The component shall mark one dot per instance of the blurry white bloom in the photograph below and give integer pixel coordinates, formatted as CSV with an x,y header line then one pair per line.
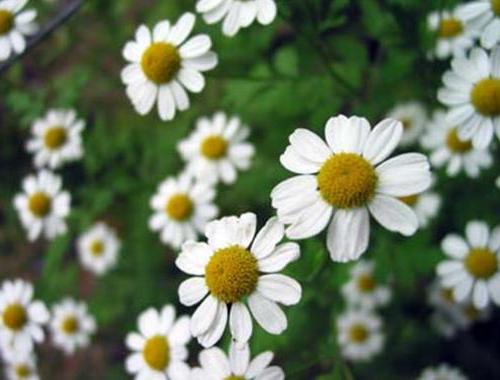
x,y
15,25
232,271
163,65
217,149
442,372
20,366
425,205
413,117
483,16
349,177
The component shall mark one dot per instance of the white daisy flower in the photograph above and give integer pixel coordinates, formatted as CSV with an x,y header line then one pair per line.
x,y
425,205
15,25
182,207
159,349
43,206
232,271
472,93
359,335
413,117
56,139
448,150
217,149
21,366
21,318
237,14
473,267
348,178
163,66
442,372
363,290
98,249
215,365
483,16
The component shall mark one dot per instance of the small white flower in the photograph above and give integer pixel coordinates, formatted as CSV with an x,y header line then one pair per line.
x,y
447,149
43,206
56,139
162,66
237,14
21,366
359,335
413,117
21,318
159,349
483,16
348,178
15,25
231,270
98,249
472,93
473,267
71,325
182,207
442,372
215,365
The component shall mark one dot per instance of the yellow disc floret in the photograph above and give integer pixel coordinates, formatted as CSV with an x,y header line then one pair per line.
x,y
55,137
97,247
160,62
234,377
366,283
179,207
6,21
14,316
485,97
410,200
455,144
495,7
358,333
157,352
39,204
70,325
214,147
450,27
23,371
481,263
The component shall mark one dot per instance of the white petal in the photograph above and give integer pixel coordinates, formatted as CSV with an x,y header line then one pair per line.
x,y
215,362
267,314
280,288
195,46
258,364
310,146
382,140
180,31
240,323
477,233
394,215
239,357
204,316
312,220
267,238
191,79
192,291
214,333
480,295
283,255
347,135
453,245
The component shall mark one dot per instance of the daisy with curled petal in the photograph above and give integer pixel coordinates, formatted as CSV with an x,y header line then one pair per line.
x,y
237,14
413,117
20,366
217,149
233,271
473,267
472,93
215,365
43,206
442,372
56,139
15,25
350,178
181,208
483,16
159,349
163,65
21,318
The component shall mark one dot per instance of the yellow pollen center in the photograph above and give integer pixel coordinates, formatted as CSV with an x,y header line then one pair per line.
x,y
6,21
481,263
179,207
407,124
14,316
358,333
97,248
157,352
471,312
366,283
234,377
23,371
160,62
70,325
485,97
410,200
495,7
232,274
347,180
214,147
450,27
447,294
455,144
39,204
55,137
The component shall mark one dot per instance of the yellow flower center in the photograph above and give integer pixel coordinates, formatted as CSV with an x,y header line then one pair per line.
x,y
214,147
481,263
97,248
495,7
23,371
366,283
455,144
160,62
450,27
447,294
14,316
358,333
70,325
410,200
179,207
347,180
55,137
232,274
157,352
471,312
407,124
39,204
6,21
234,377
485,97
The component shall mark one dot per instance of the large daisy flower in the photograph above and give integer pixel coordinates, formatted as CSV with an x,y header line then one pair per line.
x,y
473,267
233,271
442,372
15,25
483,16
215,365
472,93
182,207
43,206
347,177
163,66
20,366
217,149
21,318
413,117
159,349
56,139
237,14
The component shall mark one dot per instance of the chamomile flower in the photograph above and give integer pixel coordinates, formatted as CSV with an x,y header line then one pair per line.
x,y
15,25
363,289
471,91
348,179
182,207
233,271
473,267
442,372
159,349
43,206
448,150
98,248
413,117
359,335
21,318
237,14
163,65
425,205
217,149
21,366
483,16
215,365
56,139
